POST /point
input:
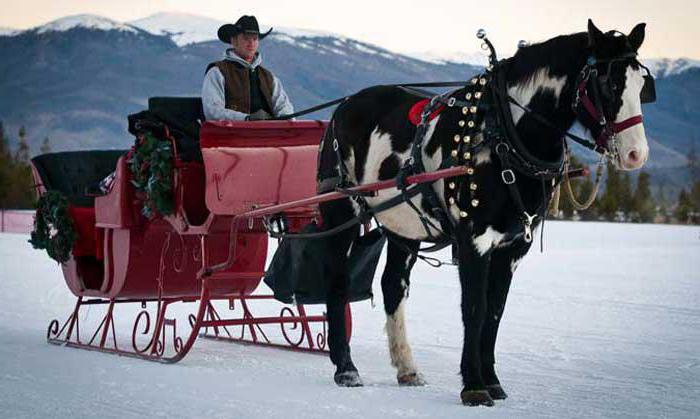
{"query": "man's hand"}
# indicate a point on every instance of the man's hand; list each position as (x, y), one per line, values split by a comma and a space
(258, 116)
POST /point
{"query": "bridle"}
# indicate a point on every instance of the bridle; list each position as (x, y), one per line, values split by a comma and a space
(602, 92)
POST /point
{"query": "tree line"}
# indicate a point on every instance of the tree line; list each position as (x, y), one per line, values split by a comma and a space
(625, 200)
(16, 182)
(621, 199)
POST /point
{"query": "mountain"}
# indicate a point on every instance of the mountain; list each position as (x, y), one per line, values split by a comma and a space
(76, 79)
(664, 67)
(4, 31)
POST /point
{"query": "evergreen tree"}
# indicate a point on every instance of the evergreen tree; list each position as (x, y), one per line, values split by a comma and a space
(609, 200)
(5, 167)
(20, 191)
(624, 199)
(45, 146)
(22, 155)
(643, 202)
(694, 199)
(693, 163)
(683, 208)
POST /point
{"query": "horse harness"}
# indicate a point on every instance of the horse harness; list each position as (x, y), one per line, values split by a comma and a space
(487, 103)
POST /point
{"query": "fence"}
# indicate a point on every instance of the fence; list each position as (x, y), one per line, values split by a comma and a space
(16, 221)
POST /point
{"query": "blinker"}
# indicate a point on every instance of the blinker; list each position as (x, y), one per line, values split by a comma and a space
(648, 93)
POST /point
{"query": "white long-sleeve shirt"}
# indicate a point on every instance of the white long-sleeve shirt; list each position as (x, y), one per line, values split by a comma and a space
(214, 96)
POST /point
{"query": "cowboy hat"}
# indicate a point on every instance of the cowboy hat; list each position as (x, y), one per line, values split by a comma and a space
(245, 24)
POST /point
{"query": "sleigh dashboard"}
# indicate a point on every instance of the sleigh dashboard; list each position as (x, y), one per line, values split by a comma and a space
(250, 165)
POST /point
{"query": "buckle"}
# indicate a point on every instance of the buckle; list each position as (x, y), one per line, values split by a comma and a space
(508, 177)
(451, 102)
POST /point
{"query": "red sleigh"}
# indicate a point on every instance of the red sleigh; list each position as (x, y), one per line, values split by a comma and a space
(211, 251)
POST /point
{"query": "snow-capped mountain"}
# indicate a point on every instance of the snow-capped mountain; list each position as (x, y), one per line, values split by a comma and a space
(84, 21)
(476, 58)
(664, 67)
(185, 28)
(182, 28)
(7, 31)
(83, 100)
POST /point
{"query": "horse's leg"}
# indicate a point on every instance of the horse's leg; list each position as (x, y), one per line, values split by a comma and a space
(395, 283)
(503, 264)
(473, 275)
(335, 213)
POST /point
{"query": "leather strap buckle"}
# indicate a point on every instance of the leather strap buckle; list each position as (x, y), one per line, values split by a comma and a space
(508, 177)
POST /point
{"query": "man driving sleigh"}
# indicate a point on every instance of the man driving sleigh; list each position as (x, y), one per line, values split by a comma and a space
(238, 87)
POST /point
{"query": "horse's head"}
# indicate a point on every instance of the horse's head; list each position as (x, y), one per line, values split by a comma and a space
(610, 91)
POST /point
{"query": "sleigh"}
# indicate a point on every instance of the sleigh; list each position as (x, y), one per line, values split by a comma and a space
(230, 183)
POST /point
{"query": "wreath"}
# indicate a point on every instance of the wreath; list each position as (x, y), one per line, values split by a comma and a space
(151, 165)
(53, 226)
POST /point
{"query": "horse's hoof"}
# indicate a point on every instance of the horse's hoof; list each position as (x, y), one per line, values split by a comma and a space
(476, 398)
(411, 380)
(348, 379)
(496, 392)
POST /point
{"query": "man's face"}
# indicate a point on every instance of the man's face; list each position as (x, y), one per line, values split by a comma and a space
(245, 45)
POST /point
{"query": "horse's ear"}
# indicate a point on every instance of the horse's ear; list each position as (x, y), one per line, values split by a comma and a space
(595, 36)
(636, 37)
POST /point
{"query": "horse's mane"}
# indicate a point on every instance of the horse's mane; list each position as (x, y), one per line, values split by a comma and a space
(562, 55)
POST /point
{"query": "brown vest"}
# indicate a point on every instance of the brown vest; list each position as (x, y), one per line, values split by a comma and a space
(237, 88)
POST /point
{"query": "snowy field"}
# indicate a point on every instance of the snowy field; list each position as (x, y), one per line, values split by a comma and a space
(605, 323)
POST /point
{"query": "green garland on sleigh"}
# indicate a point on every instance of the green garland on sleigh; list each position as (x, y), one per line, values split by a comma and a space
(53, 227)
(151, 165)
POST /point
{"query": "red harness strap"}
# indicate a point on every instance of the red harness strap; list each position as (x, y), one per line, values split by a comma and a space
(611, 128)
(414, 114)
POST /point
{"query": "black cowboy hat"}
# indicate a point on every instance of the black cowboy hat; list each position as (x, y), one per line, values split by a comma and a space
(245, 24)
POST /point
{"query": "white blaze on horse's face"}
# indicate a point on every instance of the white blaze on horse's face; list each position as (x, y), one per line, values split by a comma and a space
(632, 146)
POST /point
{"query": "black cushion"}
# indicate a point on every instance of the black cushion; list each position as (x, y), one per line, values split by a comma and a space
(183, 116)
(70, 172)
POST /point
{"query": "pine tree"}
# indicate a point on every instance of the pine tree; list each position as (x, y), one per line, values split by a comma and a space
(20, 192)
(45, 146)
(683, 208)
(609, 201)
(5, 167)
(22, 155)
(624, 199)
(643, 203)
(694, 199)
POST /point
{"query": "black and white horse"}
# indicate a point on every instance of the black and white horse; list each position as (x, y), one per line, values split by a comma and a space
(373, 137)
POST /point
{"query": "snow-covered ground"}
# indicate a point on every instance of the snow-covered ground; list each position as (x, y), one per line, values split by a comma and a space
(605, 323)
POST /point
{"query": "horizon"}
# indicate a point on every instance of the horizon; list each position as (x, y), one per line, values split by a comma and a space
(534, 24)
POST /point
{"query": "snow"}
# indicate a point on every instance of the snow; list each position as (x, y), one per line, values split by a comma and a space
(183, 28)
(603, 324)
(84, 21)
(476, 58)
(4, 31)
(186, 28)
(664, 67)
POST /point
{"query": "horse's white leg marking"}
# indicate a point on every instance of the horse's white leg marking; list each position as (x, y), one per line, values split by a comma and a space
(399, 349)
(524, 92)
(487, 241)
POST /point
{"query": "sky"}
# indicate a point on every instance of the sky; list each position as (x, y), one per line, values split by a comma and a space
(444, 26)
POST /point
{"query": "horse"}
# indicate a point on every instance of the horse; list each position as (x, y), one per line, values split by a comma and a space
(511, 140)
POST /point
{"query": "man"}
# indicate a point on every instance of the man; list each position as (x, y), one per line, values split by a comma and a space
(238, 88)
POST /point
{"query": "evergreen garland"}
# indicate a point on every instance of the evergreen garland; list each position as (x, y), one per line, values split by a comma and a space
(53, 227)
(151, 165)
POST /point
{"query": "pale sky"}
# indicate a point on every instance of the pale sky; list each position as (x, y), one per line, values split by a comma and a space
(673, 29)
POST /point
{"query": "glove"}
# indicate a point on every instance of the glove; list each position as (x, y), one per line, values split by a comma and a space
(258, 116)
